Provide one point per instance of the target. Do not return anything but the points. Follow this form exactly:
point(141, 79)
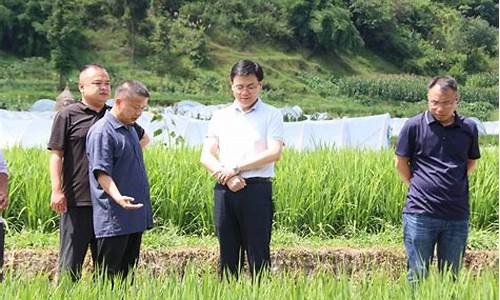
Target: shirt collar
point(255, 106)
point(113, 120)
point(429, 118)
point(85, 107)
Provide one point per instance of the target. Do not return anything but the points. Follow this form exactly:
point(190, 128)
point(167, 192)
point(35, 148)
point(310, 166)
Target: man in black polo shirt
point(435, 152)
point(68, 167)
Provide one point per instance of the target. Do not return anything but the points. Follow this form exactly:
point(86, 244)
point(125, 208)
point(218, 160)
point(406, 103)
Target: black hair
point(132, 88)
point(444, 82)
point(245, 68)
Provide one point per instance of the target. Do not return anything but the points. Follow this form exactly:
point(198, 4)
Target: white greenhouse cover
point(32, 129)
point(483, 128)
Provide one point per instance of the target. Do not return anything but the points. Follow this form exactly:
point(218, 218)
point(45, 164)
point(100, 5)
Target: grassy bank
point(164, 237)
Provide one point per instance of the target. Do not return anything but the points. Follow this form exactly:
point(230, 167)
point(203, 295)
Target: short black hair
point(132, 88)
point(245, 68)
point(444, 82)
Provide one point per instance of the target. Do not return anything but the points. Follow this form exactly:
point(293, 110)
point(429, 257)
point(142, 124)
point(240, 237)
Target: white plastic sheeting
point(367, 132)
point(25, 129)
point(32, 129)
point(396, 125)
point(483, 128)
point(491, 127)
point(43, 105)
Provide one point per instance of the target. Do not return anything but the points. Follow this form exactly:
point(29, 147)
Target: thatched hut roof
point(64, 98)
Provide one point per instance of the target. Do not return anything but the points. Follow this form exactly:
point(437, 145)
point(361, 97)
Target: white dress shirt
point(242, 135)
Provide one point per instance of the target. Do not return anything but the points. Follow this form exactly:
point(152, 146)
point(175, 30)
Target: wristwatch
point(236, 170)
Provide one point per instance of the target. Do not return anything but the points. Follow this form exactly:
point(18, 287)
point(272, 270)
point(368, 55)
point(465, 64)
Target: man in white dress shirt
point(242, 144)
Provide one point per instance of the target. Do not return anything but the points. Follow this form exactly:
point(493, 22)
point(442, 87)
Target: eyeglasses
point(250, 88)
point(442, 104)
point(139, 108)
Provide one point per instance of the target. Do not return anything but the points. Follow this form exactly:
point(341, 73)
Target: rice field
point(206, 285)
point(320, 197)
point(324, 192)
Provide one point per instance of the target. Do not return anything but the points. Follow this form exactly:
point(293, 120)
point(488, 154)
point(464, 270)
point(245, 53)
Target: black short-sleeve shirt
point(69, 132)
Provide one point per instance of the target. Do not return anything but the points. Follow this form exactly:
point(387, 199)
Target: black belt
point(251, 180)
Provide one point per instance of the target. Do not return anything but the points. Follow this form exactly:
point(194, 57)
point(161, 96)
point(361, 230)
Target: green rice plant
point(29, 189)
point(483, 189)
point(180, 188)
point(194, 285)
point(334, 191)
point(321, 192)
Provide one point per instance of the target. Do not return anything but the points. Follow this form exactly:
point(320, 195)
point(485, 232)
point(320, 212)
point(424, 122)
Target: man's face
point(129, 110)
point(442, 103)
point(246, 89)
point(95, 86)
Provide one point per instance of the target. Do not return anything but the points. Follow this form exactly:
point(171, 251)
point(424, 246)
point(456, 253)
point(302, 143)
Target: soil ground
point(296, 259)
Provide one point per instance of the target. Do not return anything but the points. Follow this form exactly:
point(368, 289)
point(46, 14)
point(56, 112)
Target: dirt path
point(33, 261)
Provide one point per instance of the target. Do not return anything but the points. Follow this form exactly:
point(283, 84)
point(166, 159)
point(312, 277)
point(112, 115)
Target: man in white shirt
point(243, 142)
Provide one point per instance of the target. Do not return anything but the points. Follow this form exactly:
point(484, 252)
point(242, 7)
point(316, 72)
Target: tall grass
point(326, 192)
point(192, 286)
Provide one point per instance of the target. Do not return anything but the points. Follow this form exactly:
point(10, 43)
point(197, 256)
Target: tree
point(334, 30)
point(65, 38)
point(21, 27)
point(486, 9)
point(381, 32)
point(161, 57)
point(132, 12)
point(476, 33)
point(299, 17)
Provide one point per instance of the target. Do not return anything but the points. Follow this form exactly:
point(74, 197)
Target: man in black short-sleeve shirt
point(69, 168)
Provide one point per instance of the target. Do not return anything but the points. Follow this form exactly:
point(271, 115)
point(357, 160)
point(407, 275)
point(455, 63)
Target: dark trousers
point(117, 254)
point(76, 233)
point(243, 223)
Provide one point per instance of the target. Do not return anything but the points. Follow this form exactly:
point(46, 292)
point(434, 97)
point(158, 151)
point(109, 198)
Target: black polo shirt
point(438, 160)
point(69, 132)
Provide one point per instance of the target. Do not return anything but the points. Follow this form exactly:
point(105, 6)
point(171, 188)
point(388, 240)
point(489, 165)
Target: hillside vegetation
point(346, 57)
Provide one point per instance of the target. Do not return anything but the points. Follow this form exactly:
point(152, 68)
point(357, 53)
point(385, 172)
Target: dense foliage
point(421, 37)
